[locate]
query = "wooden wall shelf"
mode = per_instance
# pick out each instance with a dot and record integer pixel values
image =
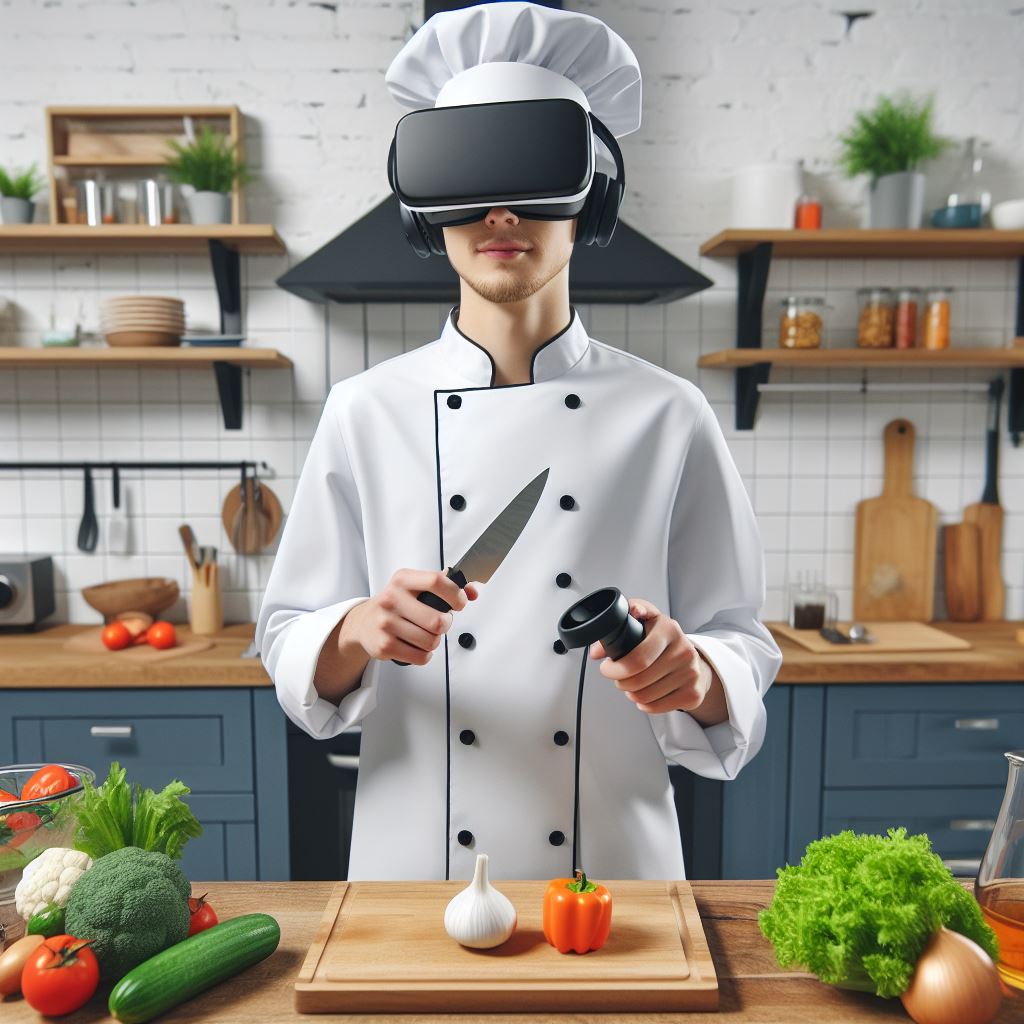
(181, 239)
(863, 358)
(754, 250)
(853, 243)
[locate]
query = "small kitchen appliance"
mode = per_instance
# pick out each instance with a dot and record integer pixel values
(26, 592)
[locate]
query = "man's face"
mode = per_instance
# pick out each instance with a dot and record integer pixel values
(505, 258)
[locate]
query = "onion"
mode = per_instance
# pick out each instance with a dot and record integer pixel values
(955, 982)
(14, 958)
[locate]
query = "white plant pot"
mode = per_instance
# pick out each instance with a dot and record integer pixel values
(16, 211)
(896, 201)
(210, 207)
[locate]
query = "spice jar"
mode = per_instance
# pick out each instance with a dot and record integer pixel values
(808, 212)
(935, 331)
(802, 321)
(877, 317)
(908, 304)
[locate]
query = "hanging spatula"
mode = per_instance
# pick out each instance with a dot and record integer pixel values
(117, 532)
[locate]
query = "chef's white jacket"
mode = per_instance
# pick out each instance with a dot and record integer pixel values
(505, 743)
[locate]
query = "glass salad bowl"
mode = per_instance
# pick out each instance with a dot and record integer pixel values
(27, 827)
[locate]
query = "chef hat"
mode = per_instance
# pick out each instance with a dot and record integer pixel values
(513, 50)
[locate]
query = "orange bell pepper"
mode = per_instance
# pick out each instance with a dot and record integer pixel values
(577, 914)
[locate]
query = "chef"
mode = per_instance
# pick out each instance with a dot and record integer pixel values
(492, 737)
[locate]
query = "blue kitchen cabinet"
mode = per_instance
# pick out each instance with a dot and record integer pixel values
(866, 757)
(227, 745)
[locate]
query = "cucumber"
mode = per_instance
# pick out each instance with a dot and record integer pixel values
(48, 922)
(193, 965)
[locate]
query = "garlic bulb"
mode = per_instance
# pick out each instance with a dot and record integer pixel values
(480, 917)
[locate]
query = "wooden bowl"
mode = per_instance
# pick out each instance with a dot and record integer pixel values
(150, 594)
(154, 338)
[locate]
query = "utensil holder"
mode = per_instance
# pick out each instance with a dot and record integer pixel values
(206, 612)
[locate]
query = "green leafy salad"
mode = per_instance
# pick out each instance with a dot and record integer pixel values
(859, 909)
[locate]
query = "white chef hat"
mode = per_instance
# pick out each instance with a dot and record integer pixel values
(513, 50)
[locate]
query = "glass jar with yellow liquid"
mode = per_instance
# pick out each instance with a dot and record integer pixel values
(999, 887)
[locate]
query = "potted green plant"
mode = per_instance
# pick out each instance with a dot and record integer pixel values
(889, 143)
(211, 166)
(17, 189)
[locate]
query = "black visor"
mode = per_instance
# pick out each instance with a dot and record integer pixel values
(453, 164)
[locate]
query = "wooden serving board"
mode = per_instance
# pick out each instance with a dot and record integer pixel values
(895, 541)
(888, 638)
(381, 947)
(90, 642)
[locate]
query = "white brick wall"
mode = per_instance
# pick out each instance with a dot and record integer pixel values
(723, 87)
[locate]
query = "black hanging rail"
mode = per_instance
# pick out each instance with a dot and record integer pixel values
(118, 465)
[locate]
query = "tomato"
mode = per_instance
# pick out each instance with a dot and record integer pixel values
(116, 636)
(50, 779)
(162, 635)
(60, 976)
(203, 916)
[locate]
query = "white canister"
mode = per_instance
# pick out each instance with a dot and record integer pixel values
(765, 195)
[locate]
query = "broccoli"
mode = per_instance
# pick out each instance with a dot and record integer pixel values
(132, 903)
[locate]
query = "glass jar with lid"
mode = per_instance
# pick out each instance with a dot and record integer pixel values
(908, 309)
(877, 317)
(935, 327)
(802, 321)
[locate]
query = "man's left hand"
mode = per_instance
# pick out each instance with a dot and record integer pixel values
(665, 672)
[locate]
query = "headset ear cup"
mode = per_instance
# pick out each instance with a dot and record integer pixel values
(413, 232)
(435, 237)
(590, 216)
(609, 213)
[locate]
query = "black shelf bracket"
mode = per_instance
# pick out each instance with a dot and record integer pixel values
(752, 269)
(1015, 399)
(227, 275)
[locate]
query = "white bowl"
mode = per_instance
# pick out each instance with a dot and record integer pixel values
(1009, 215)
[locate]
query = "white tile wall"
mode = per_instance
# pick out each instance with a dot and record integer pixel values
(722, 88)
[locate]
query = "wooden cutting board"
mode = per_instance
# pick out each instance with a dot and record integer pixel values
(894, 547)
(888, 638)
(381, 947)
(962, 580)
(90, 642)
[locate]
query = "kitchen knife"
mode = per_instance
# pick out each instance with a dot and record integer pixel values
(488, 551)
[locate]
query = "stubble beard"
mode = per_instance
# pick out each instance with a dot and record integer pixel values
(511, 287)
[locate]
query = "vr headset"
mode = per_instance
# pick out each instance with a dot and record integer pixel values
(450, 165)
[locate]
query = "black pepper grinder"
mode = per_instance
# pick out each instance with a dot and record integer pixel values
(601, 615)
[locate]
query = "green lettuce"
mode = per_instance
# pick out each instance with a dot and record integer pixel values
(858, 910)
(117, 815)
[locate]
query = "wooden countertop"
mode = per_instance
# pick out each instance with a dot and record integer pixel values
(995, 656)
(38, 660)
(752, 986)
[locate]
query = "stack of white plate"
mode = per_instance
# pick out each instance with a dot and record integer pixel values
(142, 320)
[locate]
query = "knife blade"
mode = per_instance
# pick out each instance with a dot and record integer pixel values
(488, 551)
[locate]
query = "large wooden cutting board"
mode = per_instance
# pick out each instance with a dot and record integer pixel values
(888, 638)
(91, 642)
(381, 947)
(894, 547)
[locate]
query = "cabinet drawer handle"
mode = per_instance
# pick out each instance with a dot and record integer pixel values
(349, 762)
(972, 825)
(977, 723)
(963, 867)
(111, 730)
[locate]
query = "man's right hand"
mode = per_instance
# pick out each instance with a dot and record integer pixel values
(393, 624)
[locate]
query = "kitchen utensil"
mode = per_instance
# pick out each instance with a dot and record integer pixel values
(238, 523)
(262, 531)
(601, 615)
(887, 638)
(267, 530)
(488, 551)
(656, 957)
(834, 636)
(962, 555)
(26, 592)
(987, 515)
(88, 529)
(188, 539)
(151, 594)
(860, 634)
(117, 533)
(894, 546)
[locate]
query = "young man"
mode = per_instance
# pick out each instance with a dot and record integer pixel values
(493, 737)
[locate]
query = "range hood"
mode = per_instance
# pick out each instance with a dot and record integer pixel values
(371, 261)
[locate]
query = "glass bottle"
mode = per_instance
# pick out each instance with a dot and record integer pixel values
(935, 327)
(999, 887)
(877, 317)
(969, 198)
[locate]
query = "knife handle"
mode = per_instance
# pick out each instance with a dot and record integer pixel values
(428, 597)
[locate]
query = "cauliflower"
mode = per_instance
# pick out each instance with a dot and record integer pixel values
(132, 904)
(48, 879)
